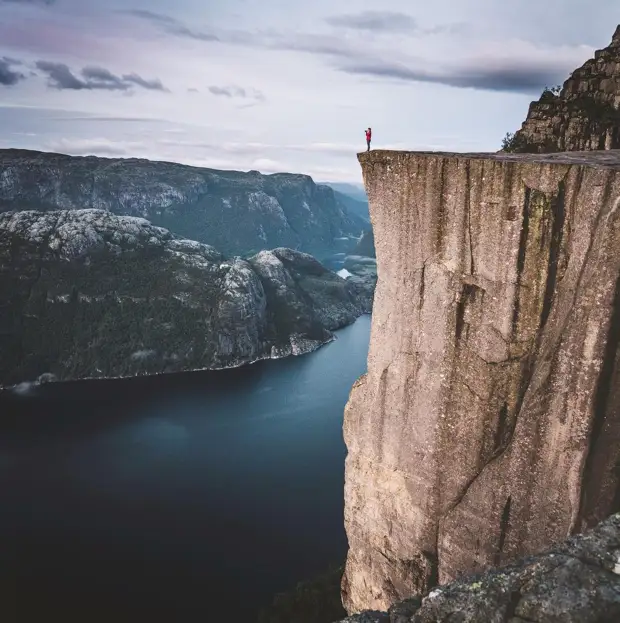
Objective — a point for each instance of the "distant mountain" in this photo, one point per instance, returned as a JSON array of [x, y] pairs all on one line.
[[88, 294], [353, 196], [238, 213], [355, 191]]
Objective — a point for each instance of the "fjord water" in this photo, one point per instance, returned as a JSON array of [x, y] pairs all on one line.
[[180, 497]]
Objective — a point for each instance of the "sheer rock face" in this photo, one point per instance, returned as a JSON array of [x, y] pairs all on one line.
[[238, 213], [87, 294], [584, 115], [575, 582], [487, 426]]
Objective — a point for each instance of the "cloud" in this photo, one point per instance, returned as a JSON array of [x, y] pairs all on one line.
[[526, 71], [93, 147], [508, 75], [234, 91], [152, 85], [378, 21], [9, 77], [171, 25], [61, 77], [45, 2]]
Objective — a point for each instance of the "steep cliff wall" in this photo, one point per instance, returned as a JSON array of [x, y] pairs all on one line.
[[583, 115], [488, 424]]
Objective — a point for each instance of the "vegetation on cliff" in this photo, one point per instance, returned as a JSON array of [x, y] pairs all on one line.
[[85, 293]]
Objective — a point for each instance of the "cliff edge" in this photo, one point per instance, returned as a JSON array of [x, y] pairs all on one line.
[[488, 425]]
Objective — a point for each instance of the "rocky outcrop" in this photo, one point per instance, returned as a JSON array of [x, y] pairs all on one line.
[[583, 114], [575, 582], [488, 424], [238, 213], [366, 245], [85, 293]]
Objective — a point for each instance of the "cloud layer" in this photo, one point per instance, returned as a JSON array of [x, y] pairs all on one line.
[[518, 72], [282, 86]]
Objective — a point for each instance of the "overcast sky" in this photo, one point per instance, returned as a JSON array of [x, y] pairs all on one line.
[[282, 85]]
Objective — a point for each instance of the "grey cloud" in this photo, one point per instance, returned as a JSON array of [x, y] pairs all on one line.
[[391, 22], [61, 77], [319, 44], [386, 21], [46, 2], [9, 77], [150, 15], [235, 91], [172, 25], [152, 85], [515, 77]]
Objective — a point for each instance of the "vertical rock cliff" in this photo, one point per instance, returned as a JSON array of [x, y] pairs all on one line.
[[488, 424], [583, 114]]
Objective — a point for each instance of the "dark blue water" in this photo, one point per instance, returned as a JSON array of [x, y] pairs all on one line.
[[182, 497]]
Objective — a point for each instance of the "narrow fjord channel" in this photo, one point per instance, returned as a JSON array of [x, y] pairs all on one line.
[[182, 497]]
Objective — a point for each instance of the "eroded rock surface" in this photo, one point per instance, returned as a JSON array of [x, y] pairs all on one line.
[[86, 293], [584, 114], [238, 213], [575, 582], [487, 427]]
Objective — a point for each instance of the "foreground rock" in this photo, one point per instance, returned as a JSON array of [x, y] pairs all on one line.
[[238, 213], [576, 582], [488, 425], [90, 294], [583, 115]]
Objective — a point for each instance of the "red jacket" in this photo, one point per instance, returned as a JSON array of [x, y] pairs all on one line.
[[368, 135]]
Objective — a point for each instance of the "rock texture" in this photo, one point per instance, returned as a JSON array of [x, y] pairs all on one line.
[[576, 582], [238, 213], [85, 293], [583, 115], [488, 424]]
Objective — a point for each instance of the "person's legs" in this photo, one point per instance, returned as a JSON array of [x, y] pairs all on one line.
[[367, 145]]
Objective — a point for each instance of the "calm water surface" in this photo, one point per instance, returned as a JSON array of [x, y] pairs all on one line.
[[183, 497]]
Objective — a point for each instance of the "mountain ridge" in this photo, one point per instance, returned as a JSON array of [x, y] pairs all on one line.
[[238, 212]]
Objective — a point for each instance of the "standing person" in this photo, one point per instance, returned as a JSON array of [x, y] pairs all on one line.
[[368, 138]]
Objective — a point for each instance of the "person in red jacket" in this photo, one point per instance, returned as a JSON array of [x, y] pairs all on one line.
[[368, 138]]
